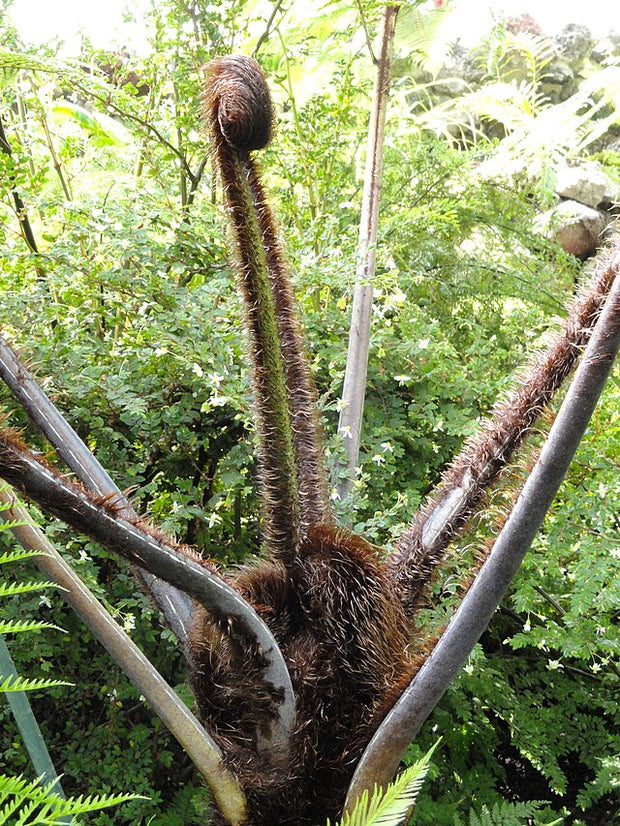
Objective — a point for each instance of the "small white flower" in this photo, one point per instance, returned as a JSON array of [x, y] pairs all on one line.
[[44, 601], [346, 432], [216, 379], [197, 369], [129, 623]]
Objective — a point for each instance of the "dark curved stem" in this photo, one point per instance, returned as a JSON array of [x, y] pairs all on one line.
[[173, 564], [383, 754], [20, 209], [175, 605], [171, 710], [423, 545]]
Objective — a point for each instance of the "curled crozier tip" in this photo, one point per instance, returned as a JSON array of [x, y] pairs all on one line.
[[239, 102]]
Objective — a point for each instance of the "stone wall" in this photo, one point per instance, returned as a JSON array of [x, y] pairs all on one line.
[[588, 198]]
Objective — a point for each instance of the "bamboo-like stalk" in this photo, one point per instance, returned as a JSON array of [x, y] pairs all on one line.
[[353, 392], [200, 747], [383, 754]]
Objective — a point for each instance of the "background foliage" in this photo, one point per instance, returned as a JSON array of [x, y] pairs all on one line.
[[128, 314]]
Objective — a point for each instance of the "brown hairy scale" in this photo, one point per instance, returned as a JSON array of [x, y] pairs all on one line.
[[239, 100], [326, 594], [343, 633], [486, 453], [343, 618]]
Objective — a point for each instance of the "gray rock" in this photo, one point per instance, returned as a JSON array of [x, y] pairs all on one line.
[[585, 182], [608, 47], [574, 43], [576, 227], [462, 63], [558, 82], [451, 87]]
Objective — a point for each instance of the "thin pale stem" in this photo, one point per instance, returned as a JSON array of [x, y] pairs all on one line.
[[173, 712], [353, 392]]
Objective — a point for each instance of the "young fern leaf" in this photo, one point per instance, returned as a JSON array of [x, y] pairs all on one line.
[[294, 484], [26, 803], [10, 589], [25, 684], [392, 806], [17, 555], [16, 627], [506, 813]]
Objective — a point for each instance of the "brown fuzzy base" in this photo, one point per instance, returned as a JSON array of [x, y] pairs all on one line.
[[343, 634]]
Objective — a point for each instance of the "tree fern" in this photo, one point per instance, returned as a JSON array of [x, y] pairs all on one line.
[[390, 807]]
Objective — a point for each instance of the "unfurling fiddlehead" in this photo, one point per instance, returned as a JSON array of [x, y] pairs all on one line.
[[294, 483]]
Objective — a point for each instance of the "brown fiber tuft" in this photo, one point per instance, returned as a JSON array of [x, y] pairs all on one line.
[[239, 102]]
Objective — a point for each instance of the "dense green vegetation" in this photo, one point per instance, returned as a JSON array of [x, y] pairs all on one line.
[[127, 311]]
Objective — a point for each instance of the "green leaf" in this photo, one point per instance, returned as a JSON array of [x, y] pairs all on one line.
[[16, 627], [25, 684], [26, 803], [9, 589], [390, 807]]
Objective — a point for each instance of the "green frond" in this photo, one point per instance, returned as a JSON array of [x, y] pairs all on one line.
[[390, 807], [506, 813], [16, 627], [25, 684], [17, 555], [15, 61], [10, 589], [103, 130], [26, 803]]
